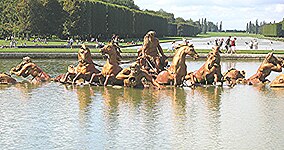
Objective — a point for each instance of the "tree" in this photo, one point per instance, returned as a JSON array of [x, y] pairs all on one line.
[[72, 15], [170, 16], [8, 18], [250, 27], [127, 3], [256, 27], [221, 25], [180, 20], [205, 26]]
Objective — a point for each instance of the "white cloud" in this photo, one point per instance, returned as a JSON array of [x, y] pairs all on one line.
[[279, 8], [233, 14]]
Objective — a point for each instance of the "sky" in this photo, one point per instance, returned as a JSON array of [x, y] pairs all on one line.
[[234, 14]]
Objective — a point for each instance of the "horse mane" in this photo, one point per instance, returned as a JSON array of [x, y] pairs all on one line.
[[182, 45], [267, 57], [178, 48], [118, 51], [88, 55]]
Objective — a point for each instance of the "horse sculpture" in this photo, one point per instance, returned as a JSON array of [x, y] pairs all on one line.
[[111, 67], [177, 70], [269, 64], [6, 79], [85, 69], [278, 81], [234, 76], [210, 72], [134, 75], [28, 68]]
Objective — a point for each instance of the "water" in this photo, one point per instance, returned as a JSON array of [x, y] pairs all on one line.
[[207, 43], [54, 116]]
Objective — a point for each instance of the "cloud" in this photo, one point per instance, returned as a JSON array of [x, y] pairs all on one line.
[[279, 8], [233, 14]]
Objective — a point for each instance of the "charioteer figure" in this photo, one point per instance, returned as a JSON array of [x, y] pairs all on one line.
[[152, 53]]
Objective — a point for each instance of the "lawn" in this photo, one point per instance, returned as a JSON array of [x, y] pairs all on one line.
[[74, 50], [226, 34], [127, 42]]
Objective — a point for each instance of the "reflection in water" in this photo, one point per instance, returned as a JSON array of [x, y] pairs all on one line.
[[243, 117], [230, 64], [27, 89], [209, 101], [84, 97], [213, 96]]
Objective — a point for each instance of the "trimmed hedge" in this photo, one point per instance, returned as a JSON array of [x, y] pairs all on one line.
[[273, 30], [186, 30], [84, 18]]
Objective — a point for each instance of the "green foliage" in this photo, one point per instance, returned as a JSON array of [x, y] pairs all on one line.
[[186, 30], [80, 18], [273, 30], [127, 3]]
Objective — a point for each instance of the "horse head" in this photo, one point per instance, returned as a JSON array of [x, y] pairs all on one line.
[[271, 58], [212, 60], [112, 50], [215, 49], [214, 55], [84, 54], [189, 50]]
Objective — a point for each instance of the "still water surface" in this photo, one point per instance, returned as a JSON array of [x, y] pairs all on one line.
[[54, 116]]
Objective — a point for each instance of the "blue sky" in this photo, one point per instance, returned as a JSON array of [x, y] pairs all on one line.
[[234, 13]]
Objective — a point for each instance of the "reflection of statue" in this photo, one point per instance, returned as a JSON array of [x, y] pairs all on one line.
[[179, 100], [111, 99], [84, 94], [213, 95], [27, 88]]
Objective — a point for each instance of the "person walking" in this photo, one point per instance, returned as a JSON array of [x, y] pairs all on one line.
[[228, 44], [233, 46]]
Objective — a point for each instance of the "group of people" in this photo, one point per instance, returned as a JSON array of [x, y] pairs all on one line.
[[230, 45], [253, 44]]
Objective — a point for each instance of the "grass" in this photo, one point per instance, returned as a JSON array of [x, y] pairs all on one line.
[[140, 40], [162, 40], [226, 34], [64, 42], [68, 50]]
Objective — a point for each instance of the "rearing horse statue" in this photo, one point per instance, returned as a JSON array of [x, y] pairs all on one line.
[[111, 67], [177, 70], [269, 64], [210, 72], [85, 68]]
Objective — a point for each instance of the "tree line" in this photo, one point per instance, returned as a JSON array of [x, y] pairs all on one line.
[[91, 18], [267, 29]]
